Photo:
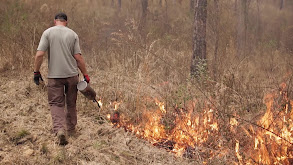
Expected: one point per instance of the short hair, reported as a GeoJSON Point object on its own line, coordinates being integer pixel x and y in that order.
{"type": "Point", "coordinates": [61, 17]}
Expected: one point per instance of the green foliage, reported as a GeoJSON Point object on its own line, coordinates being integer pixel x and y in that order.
{"type": "Point", "coordinates": [181, 95]}
{"type": "Point", "coordinates": [202, 68]}
{"type": "Point", "coordinates": [201, 75]}
{"type": "Point", "coordinates": [22, 133]}
{"type": "Point", "coordinates": [271, 44]}
{"type": "Point", "coordinates": [100, 144]}
{"type": "Point", "coordinates": [44, 148]}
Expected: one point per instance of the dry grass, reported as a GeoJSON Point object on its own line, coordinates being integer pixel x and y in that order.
{"type": "Point", "coordinates": [26, 136]}
{"type": "Point", "coordinates": [128, 68]}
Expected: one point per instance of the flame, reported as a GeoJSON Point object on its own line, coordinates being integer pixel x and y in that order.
{"type": "Point", "coordinates": [161, 105]}
{"type": "Point", "coordinates": [256, 143]}
{"type": "Point", "coordinates": [153, 129]}
{"type": "Point", "coordinates": [100, 103]}
{"type": "Point", "coordinates": [272, 147]}
{"type": "Point", "coordinates": [233, 122]}
{"type": "Point", "coordinates": [268, 117]}
{"type": "Point", "coordinates": [190, 130]}
{"type": "Point", "coordinates": [116, 105]}
{"type": "Point", "coordinates": [237, 152]}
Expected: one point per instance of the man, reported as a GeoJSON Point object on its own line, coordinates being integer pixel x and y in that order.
{"type": "Point", "coordinates": [64, 59]}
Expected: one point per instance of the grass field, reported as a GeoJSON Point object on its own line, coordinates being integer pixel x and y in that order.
{"type": "Point", "coordinates": [143, 72]}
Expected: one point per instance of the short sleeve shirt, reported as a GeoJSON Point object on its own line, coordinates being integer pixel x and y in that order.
{"type": "Point", "coordinates": [62, 44]}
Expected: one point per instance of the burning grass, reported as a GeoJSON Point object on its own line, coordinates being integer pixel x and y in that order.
{"type": "Point", "coordinates": [200, 133]}
{"type": "Point", "coordinates": [124, 66]}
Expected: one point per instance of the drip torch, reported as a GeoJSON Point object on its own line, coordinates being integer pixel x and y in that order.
{"type": "Point", "coordinates": [87, 91]}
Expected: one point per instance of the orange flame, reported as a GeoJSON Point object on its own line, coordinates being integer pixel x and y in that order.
{"type": "Point", "coordinates": [193, 129]}
{"type": "Point", "coordinates": [237, 152]}
{"type": "Point", "coordinates": [100, 103]}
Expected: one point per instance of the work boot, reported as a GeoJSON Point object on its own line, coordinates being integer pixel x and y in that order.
{"type": "Point", "coordinates": [62, 138]}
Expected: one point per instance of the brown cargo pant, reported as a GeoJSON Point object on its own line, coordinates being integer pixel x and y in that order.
{"type": "Point", "coordinates": [61, 91]}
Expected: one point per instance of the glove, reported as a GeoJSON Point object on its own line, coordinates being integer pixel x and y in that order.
{"type": "Point", "coordinates": [37, 77]}
{"type": "Point", "coordinates": [87, 78]}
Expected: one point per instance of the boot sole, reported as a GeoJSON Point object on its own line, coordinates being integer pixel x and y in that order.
{"type": "Point", "coordinates": [62, 140]}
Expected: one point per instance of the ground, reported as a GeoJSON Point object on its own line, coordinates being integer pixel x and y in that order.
{"type": "Point", "coordinates": [26, 136]}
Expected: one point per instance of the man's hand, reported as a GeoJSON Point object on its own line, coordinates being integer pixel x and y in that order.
{"type": "Point", "coordinates": [37, 77]}
{"type": "Point", "coordinates": [87, 78]}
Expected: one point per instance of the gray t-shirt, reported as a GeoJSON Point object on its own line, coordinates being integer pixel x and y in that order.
{"type": "Point", "coordinates": [62, 43]}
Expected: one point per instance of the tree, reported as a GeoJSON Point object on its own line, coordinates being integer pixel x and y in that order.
{"type": "Point", "coordinates": [166, 15]}
{"type": "Point", "coordinates": [281, 4]}
{"type": "Point", "coordinates": [242, 27]}
{"type": "Point", "coordinates": [258, 27]}
{"type": "Point", "coordinates": [144, 4]}
{"type": "Point", "coordinates": [191, 4]}
{"type": "Point", "coordinates": [217, 35]}
{"type": "Point", "coordinates": [119, 4]}
{"type": "Point", "coordinates": [199, 36]}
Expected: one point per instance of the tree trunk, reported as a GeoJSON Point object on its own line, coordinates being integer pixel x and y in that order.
{"type": "Point", "coordinates": [144, 4]}
{"type": "Point", "coordinates": [281, 4]}
{"type": "Point", "coordinates": [142, 26]}
{"type": "Point", "coordinates": [119, 4]}
{"type": "Point", "coordinates": [235, 6]}
{"type": "Point", "coordinates": [217, 21]}
{"type": "Point", "coordinates": [199, 36]}
{"type": "Point", "coordinates": [258, 30]}
{"type": "Point", "coordinates": [166, 22]}
{"type": "Point", "coordinates": [191, 3]}
{"type": "Point", "coordinates": [241, 29]}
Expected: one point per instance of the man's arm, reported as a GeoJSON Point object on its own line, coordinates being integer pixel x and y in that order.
{"type": "Point", "coordinates": [81, 64]}
{"type": "Point", "coordinates": [38, 60]}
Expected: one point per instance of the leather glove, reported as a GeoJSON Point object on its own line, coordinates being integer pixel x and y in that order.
{"type": "Point", "coordinates": [37, 77]}
{"type": "Point", "coordinates": [87, 78]}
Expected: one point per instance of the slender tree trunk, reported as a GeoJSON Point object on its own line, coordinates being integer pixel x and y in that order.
{"type": "Point", "coordinates": [281, 4]}
{"type": "Point", "coordinates": [258, 30]}
{"type": "Point", "coordinates": [247, 47]}
{"type": "Point", "coordinates": [199, 35]}
{"type": "Point", "coordinates": [119, 4]}
{"type": "Point", "coordinates": [241, 29]}
{"type": "Point", "coordinates": [143, 22]}
{"type": "Point", "coordinates": [191, 8]}
{"type": "Point", "coordinates": [144, 4]}
{"type": "Point", "coordinates": [235, 6]}
{"type": "Point", "coordinates": [104, 3]}
{"type": "Point", "coordinates": [217, 21]}
{"type": "Point", "coordinates": [166, 15]}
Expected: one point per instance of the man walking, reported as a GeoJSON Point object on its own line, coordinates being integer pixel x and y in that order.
{"type": "Point", "coordinates": [64, 59]}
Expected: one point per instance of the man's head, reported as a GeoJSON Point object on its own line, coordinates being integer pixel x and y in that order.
{"type": "Point", "coordinates": [60, 19]}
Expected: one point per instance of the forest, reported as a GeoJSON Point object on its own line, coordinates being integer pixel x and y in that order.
{"type": "Point", "coordinates": [178, 82]}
